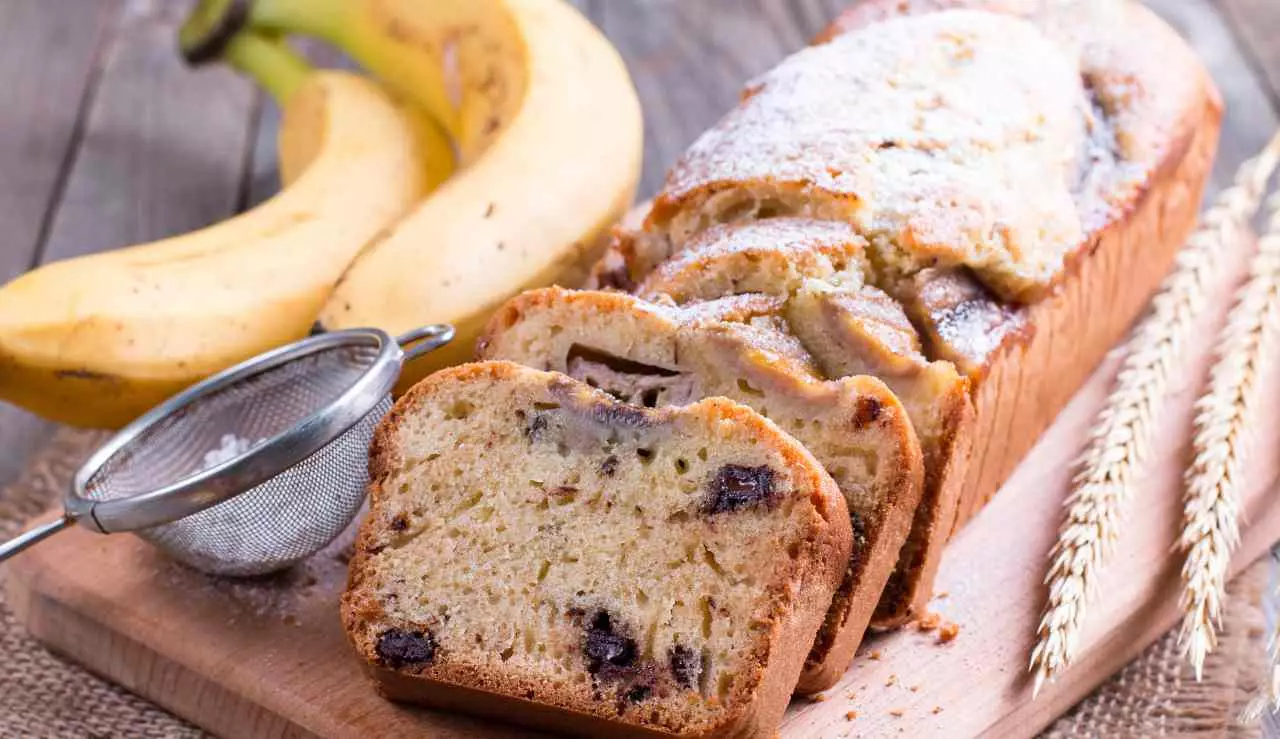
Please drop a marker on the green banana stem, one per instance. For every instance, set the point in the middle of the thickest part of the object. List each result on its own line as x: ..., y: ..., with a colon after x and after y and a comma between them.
x: 325, y: 19
x: 270, y: 61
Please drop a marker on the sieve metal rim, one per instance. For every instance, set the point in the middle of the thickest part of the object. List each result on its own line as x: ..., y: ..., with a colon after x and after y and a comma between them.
x: 246, y: 471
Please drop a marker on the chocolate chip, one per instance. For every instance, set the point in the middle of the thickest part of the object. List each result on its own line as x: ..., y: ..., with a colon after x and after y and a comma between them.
x: 536, y: 426
x: 399, y: 648
x: 859, y: 525
x: 734, y: 487
x: 606, y: 647
x: 867, y: 412
x: 686, y: 665
x: 609, y: 467
x: 638, y: 693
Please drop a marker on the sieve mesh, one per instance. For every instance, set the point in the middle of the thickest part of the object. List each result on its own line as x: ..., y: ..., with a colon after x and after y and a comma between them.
x: 282, y: 520
x: 254, y: 408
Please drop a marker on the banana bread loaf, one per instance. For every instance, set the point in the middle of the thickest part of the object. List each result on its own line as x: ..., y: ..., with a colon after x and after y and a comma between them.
x: 1021, y: 174
x: 538, y: 551
x: 654, y: 355
x: 850, y: 327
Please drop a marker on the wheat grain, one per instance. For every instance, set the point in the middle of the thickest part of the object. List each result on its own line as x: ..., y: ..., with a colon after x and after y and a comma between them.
x: 1118, y: 442
x: 1224, y: 416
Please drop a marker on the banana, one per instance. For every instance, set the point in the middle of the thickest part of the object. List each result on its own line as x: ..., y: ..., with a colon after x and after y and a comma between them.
x: 547, y: 126
x: 97, y: 340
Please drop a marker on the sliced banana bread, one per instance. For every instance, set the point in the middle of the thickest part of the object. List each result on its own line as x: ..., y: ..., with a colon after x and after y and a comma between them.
x: 541, y: 552
x: 653, y: 355
x: 820, y: 270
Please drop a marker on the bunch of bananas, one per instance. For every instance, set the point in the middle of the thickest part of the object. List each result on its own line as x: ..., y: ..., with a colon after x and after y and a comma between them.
x: 502, y: 140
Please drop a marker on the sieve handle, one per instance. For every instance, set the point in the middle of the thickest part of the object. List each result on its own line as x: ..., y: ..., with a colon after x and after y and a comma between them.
x: 39, y: 533
x: 424, y: 339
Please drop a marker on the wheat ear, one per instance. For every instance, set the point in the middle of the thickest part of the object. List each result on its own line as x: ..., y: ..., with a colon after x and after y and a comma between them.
x: 1224, y: 416
x: 1118, y: 441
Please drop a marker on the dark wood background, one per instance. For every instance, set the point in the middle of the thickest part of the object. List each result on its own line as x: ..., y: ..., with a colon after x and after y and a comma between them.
x: 106, y: 139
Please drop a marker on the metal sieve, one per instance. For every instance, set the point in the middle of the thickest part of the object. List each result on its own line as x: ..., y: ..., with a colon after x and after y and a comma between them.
x: 294, y: 425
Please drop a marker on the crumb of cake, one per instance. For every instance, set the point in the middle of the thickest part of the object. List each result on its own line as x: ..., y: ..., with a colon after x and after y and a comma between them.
x: 937, y: 710
x: 892, y: 679
x: 853, y: 695
x: 818, y: 697
x: 875, y: 654
x: 941, y: 596
x: 851, y: 715
x: 915, y: 688
x: 929, y: 622
x: 948, y: 632
x: 897, y: 713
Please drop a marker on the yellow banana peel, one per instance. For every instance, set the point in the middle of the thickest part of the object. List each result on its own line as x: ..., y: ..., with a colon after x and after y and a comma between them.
x: 97, y: 340
x: 549, y: 131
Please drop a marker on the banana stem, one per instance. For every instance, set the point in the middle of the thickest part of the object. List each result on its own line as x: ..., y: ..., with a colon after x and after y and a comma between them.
x: 325, y: 19
x: 270, y: 61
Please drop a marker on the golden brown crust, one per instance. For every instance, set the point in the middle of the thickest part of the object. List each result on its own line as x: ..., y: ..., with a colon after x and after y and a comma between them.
x: 1024, y: 385
x: 794, y: 607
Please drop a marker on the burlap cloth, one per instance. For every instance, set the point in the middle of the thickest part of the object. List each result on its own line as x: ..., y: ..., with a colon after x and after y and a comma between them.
x: 43, y: 696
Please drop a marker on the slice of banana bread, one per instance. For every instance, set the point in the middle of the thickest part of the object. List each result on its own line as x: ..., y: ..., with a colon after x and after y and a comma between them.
x: 654, y: 355
x: 541, y: 552
x: 820, y: 270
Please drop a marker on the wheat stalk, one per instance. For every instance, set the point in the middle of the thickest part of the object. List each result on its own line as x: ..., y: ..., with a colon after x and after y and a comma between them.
x: 1118, y: 441
x: 1224, y: 416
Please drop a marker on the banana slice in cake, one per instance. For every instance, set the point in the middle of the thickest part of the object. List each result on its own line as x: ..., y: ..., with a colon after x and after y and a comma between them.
x: 821, y: 273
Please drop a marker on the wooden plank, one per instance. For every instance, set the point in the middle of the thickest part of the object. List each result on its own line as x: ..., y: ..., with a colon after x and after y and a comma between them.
x: 48, y: 50
x: 164, y: 146
x: 157, y: 149
x: 267, y: 657
x: 689, y: 60
x: 1257, y: 26
x: 1250, y: 119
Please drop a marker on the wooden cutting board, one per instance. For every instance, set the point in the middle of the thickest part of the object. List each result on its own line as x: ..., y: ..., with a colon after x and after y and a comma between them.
x: 268, y: 658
